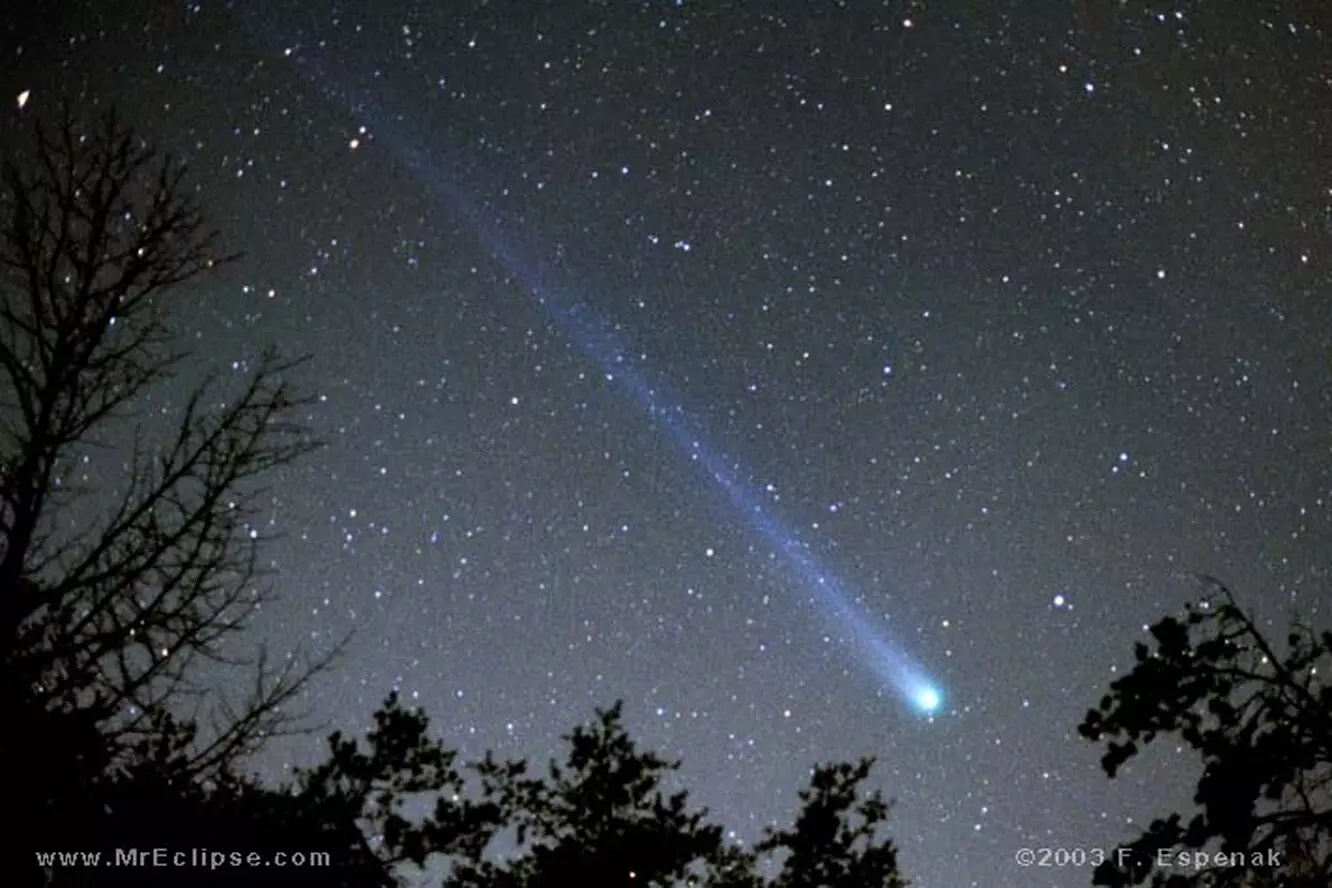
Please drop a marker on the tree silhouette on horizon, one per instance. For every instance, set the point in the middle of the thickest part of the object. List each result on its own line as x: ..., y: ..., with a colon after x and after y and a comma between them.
x: 602, y: 818
x: 1259, y: 718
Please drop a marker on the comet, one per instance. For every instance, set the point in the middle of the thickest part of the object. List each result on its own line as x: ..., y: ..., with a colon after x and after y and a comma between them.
x: 608, y: 344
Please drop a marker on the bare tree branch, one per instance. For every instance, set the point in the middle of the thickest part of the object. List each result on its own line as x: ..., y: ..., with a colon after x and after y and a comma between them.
x: 119, y: 621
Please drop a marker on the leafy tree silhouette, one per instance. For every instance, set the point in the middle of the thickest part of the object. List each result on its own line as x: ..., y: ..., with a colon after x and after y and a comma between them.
x: 1260, y: 720
x: 603, y: 819
x: 600, y: 819
x: 828, y: 848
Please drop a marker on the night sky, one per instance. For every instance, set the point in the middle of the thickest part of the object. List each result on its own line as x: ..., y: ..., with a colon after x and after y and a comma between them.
x: 823, y: 379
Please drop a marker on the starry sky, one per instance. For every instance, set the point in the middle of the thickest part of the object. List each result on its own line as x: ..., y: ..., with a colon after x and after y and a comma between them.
x: 822, y: 379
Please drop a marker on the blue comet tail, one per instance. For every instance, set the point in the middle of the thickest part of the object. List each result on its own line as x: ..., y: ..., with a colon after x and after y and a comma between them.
x: 887, y: 660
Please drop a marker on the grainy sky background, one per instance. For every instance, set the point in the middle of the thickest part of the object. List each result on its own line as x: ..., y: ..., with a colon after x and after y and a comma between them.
x: 631, y: 321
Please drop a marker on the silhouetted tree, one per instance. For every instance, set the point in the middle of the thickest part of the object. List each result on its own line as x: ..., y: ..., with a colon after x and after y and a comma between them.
x: 604, y: 819
x: 1260, y: 720
x: 835, y: 841
x: 104, y: 620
